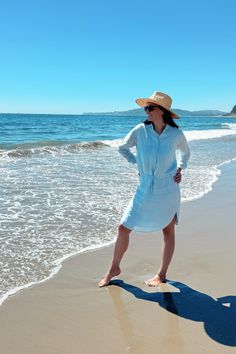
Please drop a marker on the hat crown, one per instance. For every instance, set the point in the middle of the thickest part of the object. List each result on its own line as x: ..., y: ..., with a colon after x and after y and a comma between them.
x: 162, y: 98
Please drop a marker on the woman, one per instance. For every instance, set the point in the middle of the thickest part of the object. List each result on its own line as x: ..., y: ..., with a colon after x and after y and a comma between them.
x: 162, y: 153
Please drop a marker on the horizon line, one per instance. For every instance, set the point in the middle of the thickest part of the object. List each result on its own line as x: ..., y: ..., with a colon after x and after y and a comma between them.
x: 90, y: 113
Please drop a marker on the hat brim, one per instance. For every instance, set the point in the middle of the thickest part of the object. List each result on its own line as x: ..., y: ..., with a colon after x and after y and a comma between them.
x: 142, y: 102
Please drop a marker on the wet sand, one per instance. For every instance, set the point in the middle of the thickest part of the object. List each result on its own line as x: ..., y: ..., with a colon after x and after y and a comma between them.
x: 194, y: 312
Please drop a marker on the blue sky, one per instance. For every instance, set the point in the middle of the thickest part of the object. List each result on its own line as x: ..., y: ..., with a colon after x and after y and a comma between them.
x: 67, y: 56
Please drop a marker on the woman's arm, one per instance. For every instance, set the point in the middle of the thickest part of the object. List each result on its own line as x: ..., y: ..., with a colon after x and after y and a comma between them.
x: 183, y: 152
x: 126, y: 144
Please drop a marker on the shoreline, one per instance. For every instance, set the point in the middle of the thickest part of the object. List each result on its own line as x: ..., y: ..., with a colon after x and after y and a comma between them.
x: 61, y: 315
x: 59, y: 262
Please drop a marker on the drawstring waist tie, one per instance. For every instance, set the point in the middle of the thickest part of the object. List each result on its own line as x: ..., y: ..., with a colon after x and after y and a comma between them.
x: 154, y: 181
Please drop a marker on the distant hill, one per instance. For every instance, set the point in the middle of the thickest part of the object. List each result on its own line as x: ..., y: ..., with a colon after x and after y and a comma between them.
x: 232, y: 113
x: 139, y: 112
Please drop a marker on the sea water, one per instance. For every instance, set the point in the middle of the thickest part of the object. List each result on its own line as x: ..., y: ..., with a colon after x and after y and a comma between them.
x: 64, y: 186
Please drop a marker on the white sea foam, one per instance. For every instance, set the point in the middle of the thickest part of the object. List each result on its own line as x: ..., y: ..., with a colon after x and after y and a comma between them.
x: 208, y: 134
x: 193, y: 134
x: 214, y: 172
x: 230, y: 125
x: 57, y: 266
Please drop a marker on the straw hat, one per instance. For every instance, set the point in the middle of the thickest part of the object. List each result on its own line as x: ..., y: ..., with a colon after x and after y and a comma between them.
x: 159, y: 98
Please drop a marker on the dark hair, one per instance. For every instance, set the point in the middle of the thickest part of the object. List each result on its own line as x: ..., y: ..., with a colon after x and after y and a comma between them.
x: 167, y: 118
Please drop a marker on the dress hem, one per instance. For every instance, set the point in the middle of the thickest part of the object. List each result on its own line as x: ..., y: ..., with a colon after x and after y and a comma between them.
x: 151, y: 230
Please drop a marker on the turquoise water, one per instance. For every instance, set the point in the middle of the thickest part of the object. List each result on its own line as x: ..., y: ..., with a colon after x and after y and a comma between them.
x: 64, y: 185
x: 16, y: 130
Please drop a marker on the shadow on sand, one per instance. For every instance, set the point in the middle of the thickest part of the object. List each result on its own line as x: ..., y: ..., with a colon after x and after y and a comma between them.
x: 218, y: 315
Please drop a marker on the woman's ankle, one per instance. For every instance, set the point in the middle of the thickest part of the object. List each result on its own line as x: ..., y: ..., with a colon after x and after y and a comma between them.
x: 161, y: 275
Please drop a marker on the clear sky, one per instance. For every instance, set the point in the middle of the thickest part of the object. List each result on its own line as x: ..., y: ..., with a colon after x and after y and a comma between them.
x: 72, y: 56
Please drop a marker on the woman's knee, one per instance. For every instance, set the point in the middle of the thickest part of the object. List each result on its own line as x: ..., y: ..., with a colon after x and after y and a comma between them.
x: 170, y: 228
x: 124, y: 229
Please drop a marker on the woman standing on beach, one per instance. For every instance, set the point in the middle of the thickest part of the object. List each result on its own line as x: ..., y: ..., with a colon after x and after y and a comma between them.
x: 155, y: 204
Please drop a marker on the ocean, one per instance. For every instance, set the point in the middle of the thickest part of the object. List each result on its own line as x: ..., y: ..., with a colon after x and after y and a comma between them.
x: 64, y: 186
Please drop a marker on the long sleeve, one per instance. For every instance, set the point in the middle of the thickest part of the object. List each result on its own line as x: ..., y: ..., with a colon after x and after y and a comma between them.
x: 124, y: 147
x: 183, y: 152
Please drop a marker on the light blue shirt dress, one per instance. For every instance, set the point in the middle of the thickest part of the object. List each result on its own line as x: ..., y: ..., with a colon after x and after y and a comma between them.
x: 157, y: 197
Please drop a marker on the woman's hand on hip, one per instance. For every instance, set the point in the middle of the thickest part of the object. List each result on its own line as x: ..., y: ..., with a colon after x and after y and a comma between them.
x: 177, y: 176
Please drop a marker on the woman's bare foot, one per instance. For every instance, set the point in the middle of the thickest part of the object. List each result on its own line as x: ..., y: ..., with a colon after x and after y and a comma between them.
x: 155, y: 281
x: 110, y: 274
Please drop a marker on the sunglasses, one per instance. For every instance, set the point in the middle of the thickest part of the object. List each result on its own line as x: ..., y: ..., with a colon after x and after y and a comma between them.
x: 150, y: 108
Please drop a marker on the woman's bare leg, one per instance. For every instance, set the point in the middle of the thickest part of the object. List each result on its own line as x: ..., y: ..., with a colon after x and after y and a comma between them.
x: 122, y: 243
x: 168, y: 247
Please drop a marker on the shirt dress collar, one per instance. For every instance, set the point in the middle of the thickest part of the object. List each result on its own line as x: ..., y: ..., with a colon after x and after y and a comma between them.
x: 163, y: 132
